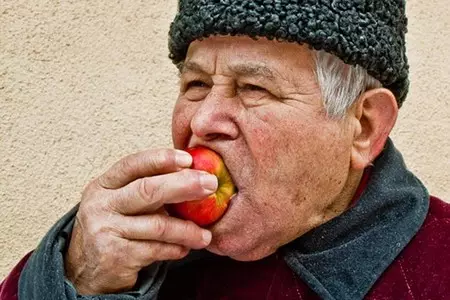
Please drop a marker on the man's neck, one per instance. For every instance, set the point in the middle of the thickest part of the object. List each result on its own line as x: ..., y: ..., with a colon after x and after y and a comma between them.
x: 354, y: 187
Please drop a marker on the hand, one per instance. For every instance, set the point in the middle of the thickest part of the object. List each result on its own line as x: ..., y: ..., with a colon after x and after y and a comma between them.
x: 122, y: 227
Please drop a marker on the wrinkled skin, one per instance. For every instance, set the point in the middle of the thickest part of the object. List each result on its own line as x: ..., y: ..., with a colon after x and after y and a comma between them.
x: 259, y: 105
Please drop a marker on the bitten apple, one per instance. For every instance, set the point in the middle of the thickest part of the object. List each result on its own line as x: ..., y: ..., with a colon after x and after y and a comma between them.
x: 206, y: 211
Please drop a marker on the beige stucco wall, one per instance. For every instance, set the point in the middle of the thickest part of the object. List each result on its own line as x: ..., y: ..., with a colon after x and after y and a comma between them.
x: 82, y: 83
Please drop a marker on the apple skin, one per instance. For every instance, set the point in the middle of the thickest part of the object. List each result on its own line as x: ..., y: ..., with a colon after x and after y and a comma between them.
x: 204, y: 212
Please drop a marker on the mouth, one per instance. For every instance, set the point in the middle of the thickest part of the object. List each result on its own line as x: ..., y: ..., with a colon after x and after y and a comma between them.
x: 232, y: 202
x: 231, y: 171
x: 225, y: 158
x: 228, y: 164
x: 236, y: 187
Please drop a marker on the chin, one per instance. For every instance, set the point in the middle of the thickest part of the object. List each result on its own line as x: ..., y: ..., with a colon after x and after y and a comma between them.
x: 237, y: 250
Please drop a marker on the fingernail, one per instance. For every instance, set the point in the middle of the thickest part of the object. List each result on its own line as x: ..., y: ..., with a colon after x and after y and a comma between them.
x: 209, y: 182
x: 183, y: 159
x: 207, y: 236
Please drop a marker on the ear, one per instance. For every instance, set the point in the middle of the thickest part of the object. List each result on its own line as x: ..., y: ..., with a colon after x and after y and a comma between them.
x: 375, y: 114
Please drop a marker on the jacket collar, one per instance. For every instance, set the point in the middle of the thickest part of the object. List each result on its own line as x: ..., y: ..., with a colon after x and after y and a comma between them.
x: 344, y: 257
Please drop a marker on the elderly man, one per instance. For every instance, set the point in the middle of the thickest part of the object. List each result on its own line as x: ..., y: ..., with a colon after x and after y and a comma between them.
x: 299, y: 98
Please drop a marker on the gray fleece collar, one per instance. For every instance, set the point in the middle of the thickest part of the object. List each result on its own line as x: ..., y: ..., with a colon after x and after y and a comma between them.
x: 343, y: 258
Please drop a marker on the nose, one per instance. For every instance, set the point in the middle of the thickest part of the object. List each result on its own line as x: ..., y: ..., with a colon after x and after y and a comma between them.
x: 216, y: 118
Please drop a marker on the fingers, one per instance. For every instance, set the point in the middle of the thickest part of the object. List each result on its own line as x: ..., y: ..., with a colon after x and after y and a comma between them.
x: 113, y: 238
x: 144, y: 253
x: 148, y: 194
x: 163, y: 228
x: 144, y: 164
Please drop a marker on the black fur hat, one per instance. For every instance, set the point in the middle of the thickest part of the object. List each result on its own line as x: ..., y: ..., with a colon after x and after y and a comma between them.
x: 369, y: 33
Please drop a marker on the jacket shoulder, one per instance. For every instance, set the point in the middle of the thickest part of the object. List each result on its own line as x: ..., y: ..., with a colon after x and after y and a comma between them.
x: 421, y: 271
x: 9, y: 287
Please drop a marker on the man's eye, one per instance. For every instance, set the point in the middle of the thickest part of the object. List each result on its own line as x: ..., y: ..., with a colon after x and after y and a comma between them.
x: 252, y: 87
x: 196, y: 83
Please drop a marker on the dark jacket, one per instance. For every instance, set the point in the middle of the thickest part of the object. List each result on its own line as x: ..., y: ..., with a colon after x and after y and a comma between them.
x: 421, y: 271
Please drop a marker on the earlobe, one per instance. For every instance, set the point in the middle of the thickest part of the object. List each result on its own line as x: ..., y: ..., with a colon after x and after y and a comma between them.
x: 375, y: 114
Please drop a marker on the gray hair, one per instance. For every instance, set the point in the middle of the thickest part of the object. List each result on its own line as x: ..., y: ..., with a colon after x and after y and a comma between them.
x: 341, y: 84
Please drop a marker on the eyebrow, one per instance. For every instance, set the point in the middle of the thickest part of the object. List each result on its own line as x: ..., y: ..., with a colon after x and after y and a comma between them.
x: 190, y: 66
x: 244, y: 69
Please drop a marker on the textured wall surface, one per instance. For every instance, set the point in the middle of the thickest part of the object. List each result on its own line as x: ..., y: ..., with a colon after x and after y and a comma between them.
x: 83, y: 83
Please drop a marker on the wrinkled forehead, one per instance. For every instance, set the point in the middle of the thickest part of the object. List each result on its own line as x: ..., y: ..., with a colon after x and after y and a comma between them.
x: 246, y: 55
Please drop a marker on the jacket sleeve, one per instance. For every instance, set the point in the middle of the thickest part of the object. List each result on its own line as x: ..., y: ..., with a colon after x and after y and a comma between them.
x: 10, y: 285
x: 43, y: 276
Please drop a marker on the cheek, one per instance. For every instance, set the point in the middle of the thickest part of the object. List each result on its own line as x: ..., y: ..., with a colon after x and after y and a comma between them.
x: 274, y: 142
x: 323, y: 156
x: 263, y: 136
x: 303, y: 157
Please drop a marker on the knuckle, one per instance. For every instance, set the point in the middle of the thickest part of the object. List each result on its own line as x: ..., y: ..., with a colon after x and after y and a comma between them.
x: 95, y: 224
x: 104, y: 180
x: 192, y: 235
x: 126, y: 165
x: 187, y: 173
x: 162, y: 158
x: 169, y: 156
x: 195, y: 178
x: 190, y: 176
x: 91, y: 191
x: 92, y: 186
x: 187, y: 227
x: 165, y: 252
x: 108, y: 179
x: 192, y: 186
x: 179, y: 252
x: 160, y: 227
x: 91, y: 207
x: 119, y: 231
x: 164, y: 155
x: 149, y: 191
x: 111, y: 205
x: 121, y: 168
x: 115, y: 228
x: 145, y: 189
x: 155, y: 250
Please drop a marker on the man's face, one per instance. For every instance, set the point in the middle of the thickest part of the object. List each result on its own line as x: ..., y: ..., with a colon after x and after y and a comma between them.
x: 259, y: 105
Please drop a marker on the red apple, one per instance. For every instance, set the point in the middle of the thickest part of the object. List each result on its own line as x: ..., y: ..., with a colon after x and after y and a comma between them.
x: 206, y: 211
